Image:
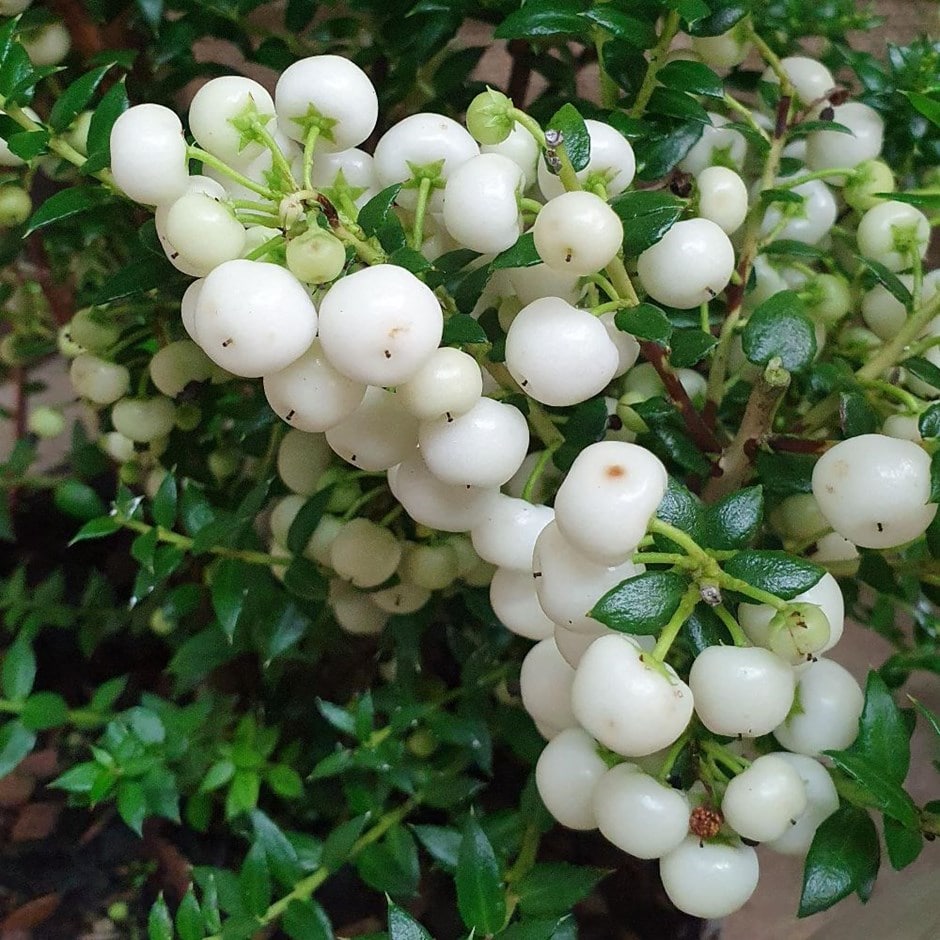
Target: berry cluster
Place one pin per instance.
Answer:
(292, 289)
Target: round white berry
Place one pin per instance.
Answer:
(520, 147)
(612, 164)
(630, 707)
(380, 325)
(365, 553)
(401, 598)
(690, 265)
(98, 380)
(709, 879)
(217, 104)
(377, 434)
(310, 394)
(724, 51)
(577, 233)
(433, 567)
(830, 703)
(144, 419)
(718, 146)
(481, 209)
(894, 233)
(822, 800)
(809, 221)
(449, 383)
(545, 681)
(201, 233)
(253, 318)
(188, 308)
(539, 281)
(722, 198)
(356, 166)
(811, 79)
(874, 490)
(559, 354)
(515, 603)
(741, 691)
(148, 154)
(47, 45)
(568, 583)
(639, 815)
(606, 501)
(566, 774)
(506, 535)
(763, 801)
(483, 447)
(354, 610)
(331, 93)
(282, 517)
(177, 364)
(826, 149)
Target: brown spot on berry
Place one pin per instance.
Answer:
(705, 822)
(615, 471)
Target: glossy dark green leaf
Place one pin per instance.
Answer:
(780, 328)
(306, 920)
(553, 888)
(683, 509)
(229, 591)
(646, 216)
(29, 144)
(542, 18)
(642, 605)
(340, 841)
(375, 213)
(630, 29)
(786, 474)
(779, 573)
(645, 321)
(164, 503)
(65, 204)
(690, 10)
(687, 347)
(480, 897)
(281, 855)
(409, 259)
(844, 858)
(402, 926)
(883, 792)
(723, 16)
(112, 105)
(678, 105)
(521, 255)
(44, 710)
(254, 881)
(883, 739)
(75, 98)
(159, 922)
(856, 415)
(16, 741)
(19, 669)
(924, 370)
(139, 277)
(928, 107)
(704, 628)
(935, 477)
(577, 142)
(132, 804)
(462, 330)
(391, 866)
(929, 202)
(662, 150)
(792, 249)
(189, 921)
(441, 842)
(904, 845)
(587, 423)
(889, 281)
(734, 521)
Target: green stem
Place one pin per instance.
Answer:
(366, 498)
(772, 59)
(721, 755)
(663, 558)
(657, 60)
(530, 124)
(671, 630)
(79, 717)
(263, 250)
(682, 539)
(621, 282)
(207, 159)
(537, 472)
(672, 755)
(818, 175)
(310, 144)
(892, 351)
(610, 92)
(727, 582)
(266, 208)
(734, 628)
(421, 208)
(530, 205)
(281, 162)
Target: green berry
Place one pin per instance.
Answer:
(489, 117)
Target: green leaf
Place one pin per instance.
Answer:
(164, 503)
(884, 793)
(285, 781)
(780, 328)
(139, 277)
(19, 670)
(189, 922)
(703, 629)
(723, 16)
(928, 107)
(677, 104)
(929, 422)
(480, 897)
(78, 500)
(856, 415)
(555, 887)
(929, 202)
(779, 573)
(78, 779)
(924, 370)
(521, 255)
(539, 929)
(392, 865)
(690, 10)
(112, 105)
(883, 738)
(638, 33)
(935, 477)
(66, 203)
(159, 923)
(441, 842)
(218, 775)
(463, 330)
(375, 213)
(242, 796)
(689, 347)
(281, 854)
(587, 423)
(577, 141)
(75, 97)
(683, 509)
(402, 926)
(543, 18)
(662, 150)
(889, 281)
(844, 857)
(645, 321)
(132, 804)
(307, 519)
(734, 521)
(340, 841)
(254, 881)
(787, 246)
(44, 710)
(28, 145)
(903, 845)
(929, 716)
(229, 593)
(340, 718)
(642, 605)
(786, 474)
(16, 741)
(409, 259)
(306, 920)
(646, 215)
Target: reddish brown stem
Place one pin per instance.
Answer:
(521, 71)
(703, 437)
(798, 445)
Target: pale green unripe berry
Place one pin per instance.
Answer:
(66, 345)
(93, 331)
(46, 422)
(798, 632)
(188, 416)
(316, 256)
(118, 447)
(144, 419)
(829, 300)
(488, 117)
(869, 178)
(15, 206)
(223, 463)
